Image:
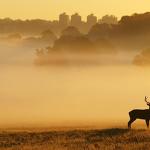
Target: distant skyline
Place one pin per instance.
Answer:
(50, 9)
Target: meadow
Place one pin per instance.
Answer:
(80, 139)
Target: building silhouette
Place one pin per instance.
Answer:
(64, 20)
(76, 20)
(91, 20)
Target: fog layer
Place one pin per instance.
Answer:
(73, 81)
(70, 95)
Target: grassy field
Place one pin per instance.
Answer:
(107, 139)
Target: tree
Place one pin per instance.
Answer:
(71, 31)
(143, 58)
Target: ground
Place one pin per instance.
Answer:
(106, 139)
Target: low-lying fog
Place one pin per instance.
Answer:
(68, 95)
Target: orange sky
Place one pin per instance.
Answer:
(49, 9)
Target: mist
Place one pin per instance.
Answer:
(69, 95)
(91, 79)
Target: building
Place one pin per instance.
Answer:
(64, 20)
(91, 20)
(76, 20)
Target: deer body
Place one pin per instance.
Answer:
(140, 114)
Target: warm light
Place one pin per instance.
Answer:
(49, 9)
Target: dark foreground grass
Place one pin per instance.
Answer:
(108, 139)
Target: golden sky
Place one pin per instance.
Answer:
(49, 9)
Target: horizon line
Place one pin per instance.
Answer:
(54, 19)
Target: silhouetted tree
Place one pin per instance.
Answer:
(99, 31)
(108, 19)
(73, 44)
(71, 31)
(104, 46)
(14, 36)
(48, 35)
(143, 58)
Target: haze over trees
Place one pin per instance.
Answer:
(130, 34)
(142, 58)
(70, 34)
(108, 19)
(72, 44)
(46, 38)
(36, 26)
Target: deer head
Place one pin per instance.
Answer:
(148, 103)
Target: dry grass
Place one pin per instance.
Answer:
(108, 139)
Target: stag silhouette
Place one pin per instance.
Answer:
(140, 114)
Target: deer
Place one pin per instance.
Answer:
(140, 114)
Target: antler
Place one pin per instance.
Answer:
(148, 103)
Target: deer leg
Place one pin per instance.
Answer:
(130, 122)
(147, 123)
